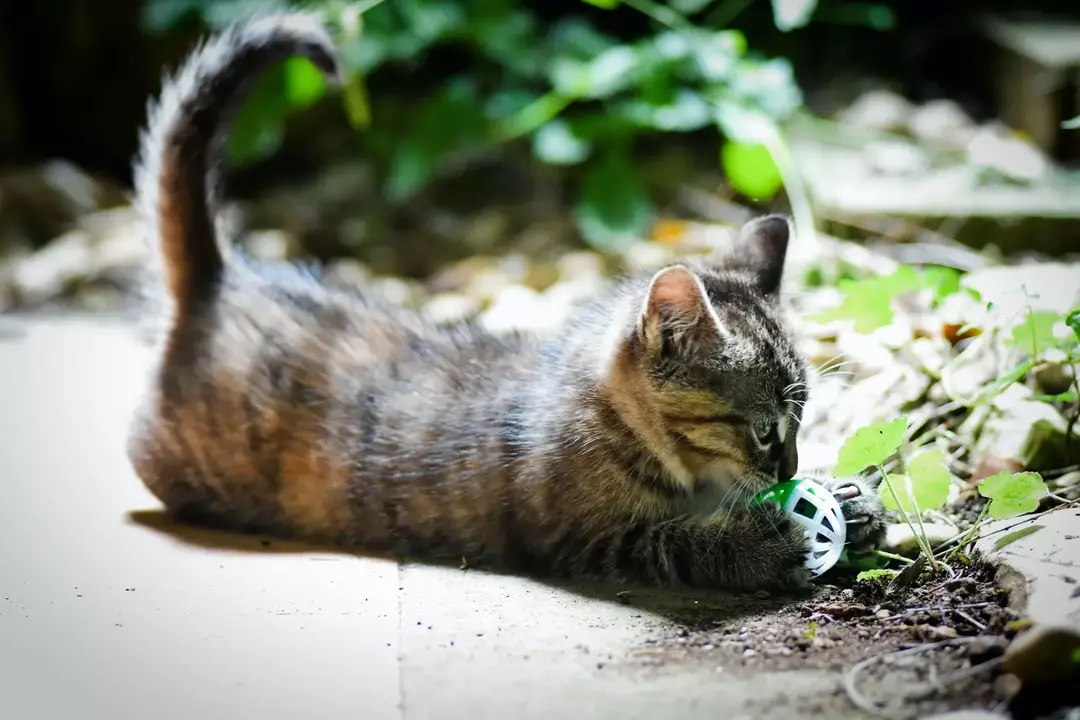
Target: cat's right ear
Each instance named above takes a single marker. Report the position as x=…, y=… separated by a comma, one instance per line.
x=676, y=311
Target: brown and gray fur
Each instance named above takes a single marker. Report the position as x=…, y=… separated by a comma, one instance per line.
x=624, y=449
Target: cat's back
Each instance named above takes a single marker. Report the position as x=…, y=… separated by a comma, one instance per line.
x=287, y=384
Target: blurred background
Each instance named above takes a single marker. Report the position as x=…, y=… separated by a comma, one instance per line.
x=503, y=151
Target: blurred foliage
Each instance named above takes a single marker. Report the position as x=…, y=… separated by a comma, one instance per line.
x=579, y=95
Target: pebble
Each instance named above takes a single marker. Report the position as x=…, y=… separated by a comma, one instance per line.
x=901, y=540
x=1044, y=654
x=966, y=715
x=749, y=653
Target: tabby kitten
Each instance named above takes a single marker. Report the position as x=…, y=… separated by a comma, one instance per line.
x=624, y=449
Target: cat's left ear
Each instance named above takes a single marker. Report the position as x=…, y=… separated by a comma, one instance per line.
x=676, y=310
x=761, y=250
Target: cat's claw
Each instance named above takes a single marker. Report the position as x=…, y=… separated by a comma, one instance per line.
x=863, y=513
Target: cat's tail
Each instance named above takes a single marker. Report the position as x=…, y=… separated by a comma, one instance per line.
x=176, y=175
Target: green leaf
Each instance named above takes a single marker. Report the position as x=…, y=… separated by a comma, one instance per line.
x=1073, y=321
x=1012, y=537
x=689, y=7
x=741, y=124
x=1036, y=334
x=925, y=487
x=750, y=170
x=555, y=143
x=717, y=54
x=943, y=281
x=1013, y=494
x=930, y=479
x=259, y=126
x=811, y=630
x=870, y=445
x=601, y=77
x=304, y=83
x=606, y=4
x=877, y=574
x=899, y=485
x=869, y=302
x=452, y=120
x=792, y=14
x=432, y=20
x=357, y=106
x=682, y=112
x=614, y=208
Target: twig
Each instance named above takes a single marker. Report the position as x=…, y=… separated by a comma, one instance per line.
x=1032, y=518
x=893, y=556
x=974, y=623
x=852, y=676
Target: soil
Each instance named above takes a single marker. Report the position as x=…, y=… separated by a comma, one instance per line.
x=955, y=630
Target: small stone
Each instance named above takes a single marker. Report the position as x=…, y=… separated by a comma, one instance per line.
x=1006, y=686
x=900, y=539
x=878, y=110
x=986, y=647
x=940, y=632
x=47, y=273
x=966, y=715
x=1007, y=155
x=1044, y=654
x=271, y=245
x=942, y=121
x=749, y=653
x=1028, y=431
x=897, y=158
x=1068, y=480
x=450, y=307
x=348, y=273
x=1054, y=378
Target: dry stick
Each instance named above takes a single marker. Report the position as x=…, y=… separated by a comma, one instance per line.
x=1032, y=518
x=868, y=706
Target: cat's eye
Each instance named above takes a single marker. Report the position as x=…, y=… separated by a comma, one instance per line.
x=765, y=431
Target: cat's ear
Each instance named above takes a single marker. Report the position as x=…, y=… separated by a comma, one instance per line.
x=676, y=310
x=761, y=250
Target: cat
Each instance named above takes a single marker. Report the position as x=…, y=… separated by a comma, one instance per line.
x=625, y=448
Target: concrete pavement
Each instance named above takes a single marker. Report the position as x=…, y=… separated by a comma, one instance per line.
x=107, y=613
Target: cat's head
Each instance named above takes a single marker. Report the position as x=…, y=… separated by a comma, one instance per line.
x=719, y=380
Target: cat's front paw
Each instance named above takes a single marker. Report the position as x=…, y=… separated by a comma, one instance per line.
x=783, y=547
x=863, y=512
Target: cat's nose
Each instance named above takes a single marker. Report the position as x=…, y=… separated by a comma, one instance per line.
x=787, y=460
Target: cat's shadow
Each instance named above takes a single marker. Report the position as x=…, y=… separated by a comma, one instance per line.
x=692, y=609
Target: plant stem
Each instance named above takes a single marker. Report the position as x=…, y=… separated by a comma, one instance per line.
x=802, y=211
x=532, y=116
x=725, y=12
x=962, y=543
x=920, y=537
x=661, y=14
x=893, y=556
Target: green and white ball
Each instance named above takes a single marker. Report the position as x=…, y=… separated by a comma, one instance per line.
x=815, y=508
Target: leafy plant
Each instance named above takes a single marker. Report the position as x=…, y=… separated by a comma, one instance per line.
x=926, y=484
x=868, y=302
x=575, y=94
x=1009, y=539
x=876, y=575
x=1012, y=494
x=870, y=446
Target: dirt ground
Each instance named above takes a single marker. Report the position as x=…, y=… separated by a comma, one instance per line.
x=932, y=648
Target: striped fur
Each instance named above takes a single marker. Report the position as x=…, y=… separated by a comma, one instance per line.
x=624, y=449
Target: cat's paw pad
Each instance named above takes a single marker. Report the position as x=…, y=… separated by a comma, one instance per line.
x=863, y=512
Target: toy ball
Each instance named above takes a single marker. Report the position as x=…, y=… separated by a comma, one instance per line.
x=815, y=508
